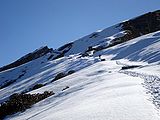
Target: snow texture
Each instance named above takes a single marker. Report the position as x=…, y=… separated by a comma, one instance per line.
x=145, y=48
x=98, y=90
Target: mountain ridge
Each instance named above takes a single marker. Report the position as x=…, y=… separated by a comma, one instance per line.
x=141, y=25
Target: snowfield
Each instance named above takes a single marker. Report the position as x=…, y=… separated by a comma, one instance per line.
x=98, y=90
x=145, y=48
x=96, y=38
x=37, y=72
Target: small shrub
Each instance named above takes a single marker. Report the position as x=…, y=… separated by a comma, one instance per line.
x=20, y=102
x=58, y=76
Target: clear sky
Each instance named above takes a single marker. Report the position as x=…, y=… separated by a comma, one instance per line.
x=26, y=25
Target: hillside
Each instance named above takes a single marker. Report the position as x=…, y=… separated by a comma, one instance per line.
x=101, y=39
x=110, y=74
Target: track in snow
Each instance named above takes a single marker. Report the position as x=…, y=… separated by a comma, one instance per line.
x=151, y=83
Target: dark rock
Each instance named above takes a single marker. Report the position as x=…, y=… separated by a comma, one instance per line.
x=59, y=76
x=37, y=86
x=7, y=83
x=58, y=56
x=71, y=72
x=20, y=102
x=143, y=24
x=129, y=67
x=65, y=47
x=103, y=59
x=50, y=57
x=94, y=35
x=29, y=57
x=65, y=88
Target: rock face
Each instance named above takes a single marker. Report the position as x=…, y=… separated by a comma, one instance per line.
x=62, y=50
x=144, y=24
x=29, y=57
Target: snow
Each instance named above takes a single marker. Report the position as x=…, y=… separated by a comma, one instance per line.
x=37, y=72
x=151, y=76
x=145, y=48
x=117, y=35
x=98, y=92
x=82, y=44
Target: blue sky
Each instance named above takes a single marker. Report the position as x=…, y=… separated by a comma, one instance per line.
x=26, y=25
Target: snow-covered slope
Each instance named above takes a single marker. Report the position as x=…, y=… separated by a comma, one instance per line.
x=101, y=39
x=117, y=77
x=94, y=39
x=145, y=48
x=98, y=92
x=39, y=71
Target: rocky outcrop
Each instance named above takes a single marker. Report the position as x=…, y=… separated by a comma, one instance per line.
x=62, y=50
x=20, y=102
x=144, y=24
x=29, y=57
